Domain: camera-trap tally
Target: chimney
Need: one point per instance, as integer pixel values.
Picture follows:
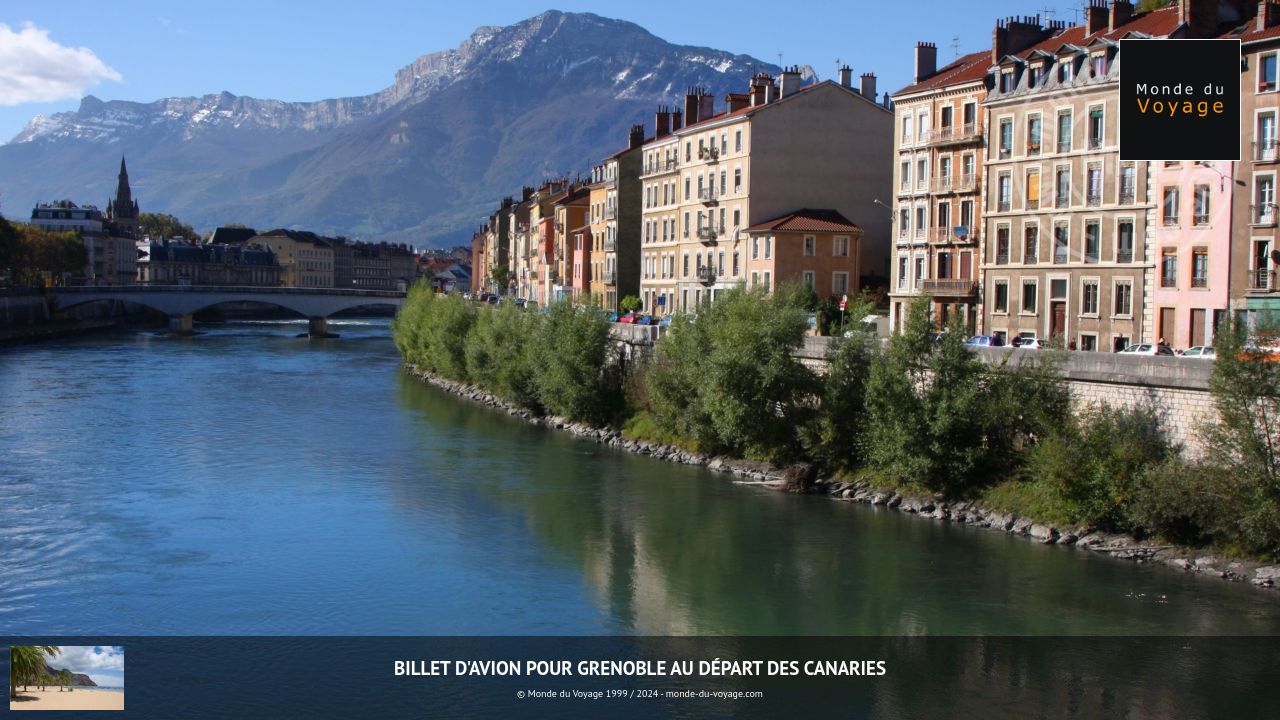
(1268, 14)
(758, 83)
(706, 104)
(926, 60)
(1015, 34)
(846, 76)
(691, 106)
(868, 88)
(770, 92)
(1095, 16)
(677, 120)
(735, 101)
(526, 193)
(790, 81)
(1200, 17)
(662, 122)
(1121, 11)
(636, 139)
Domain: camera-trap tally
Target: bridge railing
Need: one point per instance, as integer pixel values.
(236, 289)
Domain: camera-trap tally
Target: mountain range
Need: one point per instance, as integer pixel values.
(421, 161)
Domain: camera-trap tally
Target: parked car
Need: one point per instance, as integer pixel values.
(1026, 343)
(984, 341)
(1205, 352)
(494, 299)
(614, 317)
(628, 319)
(645, 320)
(1148, 349)
(664, 321)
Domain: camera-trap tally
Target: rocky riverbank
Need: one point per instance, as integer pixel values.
(801, 478)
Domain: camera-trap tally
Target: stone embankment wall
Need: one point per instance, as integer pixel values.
(1176, 388)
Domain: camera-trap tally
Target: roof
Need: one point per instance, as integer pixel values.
(965, 69)
(1247, 32)
(807, 220)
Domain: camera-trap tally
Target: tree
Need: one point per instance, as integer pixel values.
(27, 664)
(501, 275)
(630, 303)
(64, 677)
(569, 364)
(1149, 5)
(162, 225)
(837, 436)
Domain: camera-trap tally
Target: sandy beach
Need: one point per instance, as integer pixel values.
(79, 699)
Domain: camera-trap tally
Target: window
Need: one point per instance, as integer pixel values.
(1099, 63)
(737, 180)
(768, 247)
(902, 271)
(1200, 268)
(1033, 135)
(766, 281)
(944, 217)
(1002, 245)
(1062, 193)
(1202, 205)
(904, 222)
(919, 269)
(944, 170)
(1064, 71)
(966, 215)
(1124, 298)
(1088, 342)
(1002, 296)
(808, 279)
(839, 283)
(1029, 290)
(905, 182)
(1265, 200)
(1033, 75)
(1064, 132)
(922, 221)
(1004, 190)
(1031, 244)
(810, 245)
(1168, 268)
(1006, 81)
(922, 173)
(1032, 200)
(735, 263)
(686, 187)
(1267, 72)
(840, 246)
(1093, 185)
(1092, 240)
(686, 264)
(1124, 241)
(1096, 132)
(1128, 183)
(1006, 138)
(1170, 206)
(737, 217)
(1061, 243)
(1089, 297)
(944, 266)
(737, 141)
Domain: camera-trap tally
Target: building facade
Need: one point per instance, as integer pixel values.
(306, 260)
(818, 248)
(169, 262)
(937, 176)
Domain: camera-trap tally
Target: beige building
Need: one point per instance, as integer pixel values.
(937, 179)
(305, 259)
(593, 274)
(771, 151)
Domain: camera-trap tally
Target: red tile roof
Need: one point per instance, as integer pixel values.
(807, 220)
(966, 69)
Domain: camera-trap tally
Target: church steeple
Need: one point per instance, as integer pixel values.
(123, 210)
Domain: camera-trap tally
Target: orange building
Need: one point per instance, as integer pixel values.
(819, 248)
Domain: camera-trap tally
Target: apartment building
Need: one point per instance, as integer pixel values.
(819, 248)
(1255, 252)
(570, 210)
(595, 235)
(518, 244)
(659, 180)
(622, 219)
(305, 259)
(937, 179)
(774, 150)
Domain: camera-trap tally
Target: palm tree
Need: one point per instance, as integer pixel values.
(64, 676)
(27, 664)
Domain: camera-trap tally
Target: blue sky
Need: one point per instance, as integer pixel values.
(51, 54)
(103, 664)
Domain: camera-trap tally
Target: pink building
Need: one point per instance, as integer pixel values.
(581, 267)
(1191, 250)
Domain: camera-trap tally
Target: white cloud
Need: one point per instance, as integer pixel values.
(89, 658)
(34, 68)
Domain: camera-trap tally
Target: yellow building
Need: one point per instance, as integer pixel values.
(305, 259)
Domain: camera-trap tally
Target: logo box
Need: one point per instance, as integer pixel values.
(1179, 99)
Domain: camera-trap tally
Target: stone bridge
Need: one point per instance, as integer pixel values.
(180, 302)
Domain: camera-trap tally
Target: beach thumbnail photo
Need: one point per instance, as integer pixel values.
(66, 677)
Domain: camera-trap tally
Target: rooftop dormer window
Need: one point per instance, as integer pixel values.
(1099, 64)
(1064, 70)
(1006, 81)
(1033, 75)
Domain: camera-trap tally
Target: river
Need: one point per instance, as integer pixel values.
(249, 482)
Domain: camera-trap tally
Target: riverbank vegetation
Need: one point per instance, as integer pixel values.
(923, 415)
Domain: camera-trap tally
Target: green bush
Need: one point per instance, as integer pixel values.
(728, 379)
(499, 353)
(1097, 464)
(410, 322)
(569, 364)
(836, 437)
(446, 322)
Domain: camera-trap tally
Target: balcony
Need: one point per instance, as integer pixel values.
(1095, 143)
(1199, 219)
(708, 196)
(706, 274)
(709, 233)
(953, 135)
(1030, 256)
(1002, 258)
(1199, 281)
(951, 288)
(610, 244)
(1093, 200)
(1261, 280)
(610, 212)
(1060, 256)
(1032, 203)
(710, 154)
(1033, 149)
(1003, 205)
(609, 277)
(1124, 255)
(1005, 153)
(1064, 146)
(1262, 214)
(948, 235)
(1126, 196)
(1265, 152)
(1061, 201)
